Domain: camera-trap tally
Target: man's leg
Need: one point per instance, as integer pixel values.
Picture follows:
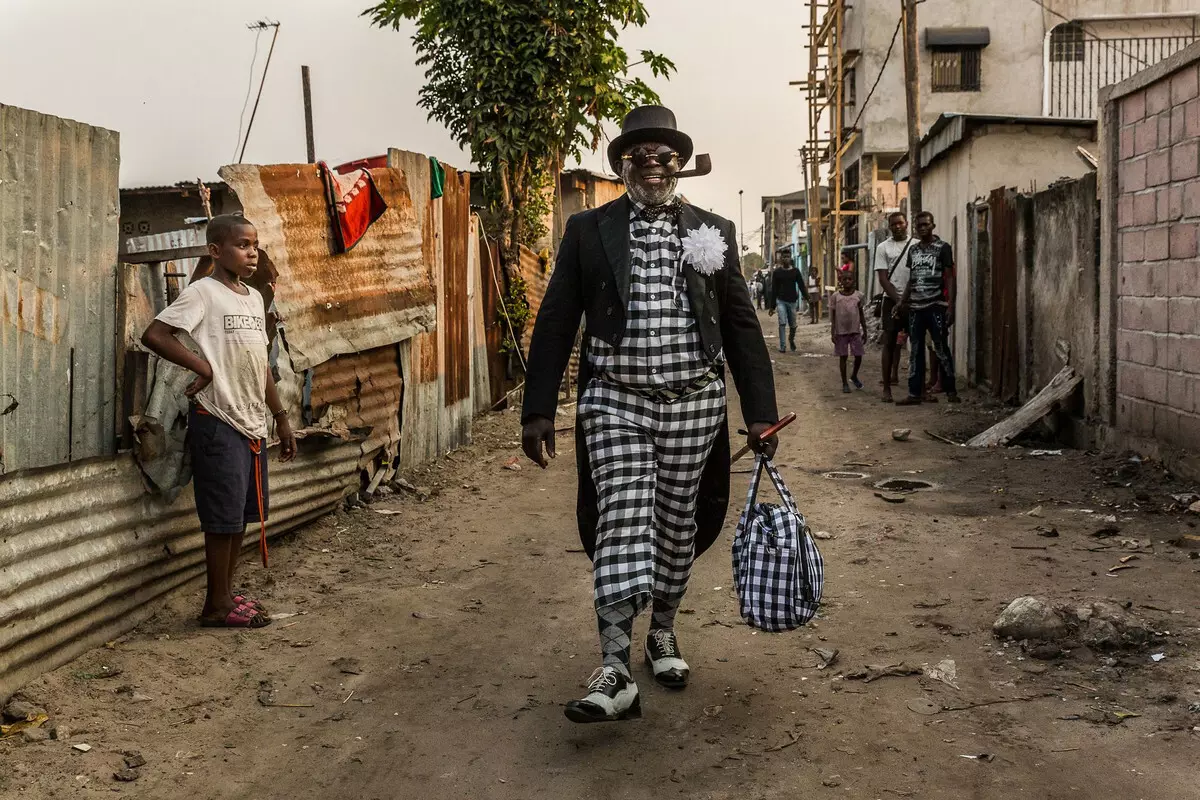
(916, 358)
(792, 310)
(940, 334)
(842, 367)
(218, 599)
(621, 452)
(683, 441)
(781, 313)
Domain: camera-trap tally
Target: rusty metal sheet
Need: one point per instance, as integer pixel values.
(1005, 353)
(378, 293)
(87, 553)
(360, 391)
(481, 388)
(58, 284)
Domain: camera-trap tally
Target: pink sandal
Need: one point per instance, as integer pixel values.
(243, 616)
(243, 600)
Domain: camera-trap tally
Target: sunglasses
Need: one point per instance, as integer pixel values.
(644, 156)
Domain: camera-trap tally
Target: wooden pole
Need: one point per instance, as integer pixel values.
(308, 119)
(912, 93)
(261, 83)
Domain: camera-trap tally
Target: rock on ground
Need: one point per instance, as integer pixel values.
(1030, 618)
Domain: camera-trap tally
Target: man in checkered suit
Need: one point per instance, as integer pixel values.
(666, 309)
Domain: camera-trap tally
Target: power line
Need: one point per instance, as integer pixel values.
(879, 77)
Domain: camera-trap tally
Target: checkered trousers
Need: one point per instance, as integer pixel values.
(646, 459)
(778, 571)
(661, 348)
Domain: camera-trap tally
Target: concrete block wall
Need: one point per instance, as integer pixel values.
(1157, 266)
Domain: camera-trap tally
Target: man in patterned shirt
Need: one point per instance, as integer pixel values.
(666, 309)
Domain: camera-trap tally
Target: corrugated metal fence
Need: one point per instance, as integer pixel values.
(85, 549)
(58, 268)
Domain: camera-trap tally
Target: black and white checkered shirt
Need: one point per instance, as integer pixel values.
(661, 348)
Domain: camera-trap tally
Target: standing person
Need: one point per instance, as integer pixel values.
(785, 298)
(814, 296)
(847, 263)
(929, 300)
(847, 326)
(227, 423)
(666, 309)
(760, 288)
(891, 270)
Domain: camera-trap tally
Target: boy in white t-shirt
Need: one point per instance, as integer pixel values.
(227, 425)
(891, 269)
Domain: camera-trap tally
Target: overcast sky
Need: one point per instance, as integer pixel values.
(171, 76)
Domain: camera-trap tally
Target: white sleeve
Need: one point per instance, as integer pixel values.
(187, 312)
(880, 259)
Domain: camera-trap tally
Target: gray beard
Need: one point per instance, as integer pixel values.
(646, 195)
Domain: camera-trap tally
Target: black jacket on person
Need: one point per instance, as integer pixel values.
(591, 280)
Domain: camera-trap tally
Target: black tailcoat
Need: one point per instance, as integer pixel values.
(591, 280)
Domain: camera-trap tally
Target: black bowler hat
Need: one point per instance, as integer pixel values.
(649, 124)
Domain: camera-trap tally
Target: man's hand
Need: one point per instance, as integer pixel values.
(537, 431)
(287, 439)
(765, 446)
(203, 379)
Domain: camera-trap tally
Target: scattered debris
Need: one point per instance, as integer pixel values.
(1040, 453)
(513, 464)
(1157, 657)
(943, 439)
(82, 747)
(890, 497)
(944, 671)
(924, 706)
(823, 535)
(24, 726)
(873, 672)
(901, 434)
(133, 759)
(985, 757)
(1098, 624)
(1000, 434)
(828, 657)
(1036, 512)
(1049, 532)
(388, 512)
(126, 775)
(832, 782)
(1106, 532)
(348, 665)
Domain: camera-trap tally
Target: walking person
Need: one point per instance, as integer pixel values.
(785, 298)
(929, 301)
(891, 270)
(231, 397)
(760, 288)
(814, 296)
(666, 309)
(848, 327)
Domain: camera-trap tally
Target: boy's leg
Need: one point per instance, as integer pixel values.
(857, 366)
(842, 367)
(218, 600)
(235, 555)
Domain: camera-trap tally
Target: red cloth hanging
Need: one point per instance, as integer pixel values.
(353, 202)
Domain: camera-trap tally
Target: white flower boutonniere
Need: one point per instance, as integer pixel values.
(705, 250)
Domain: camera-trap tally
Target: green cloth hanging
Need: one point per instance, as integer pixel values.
(437, 178)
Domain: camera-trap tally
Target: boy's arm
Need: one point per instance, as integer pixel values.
(862, 318)
(283, 427)
(160, 339)
(832, 320)
(950, 287)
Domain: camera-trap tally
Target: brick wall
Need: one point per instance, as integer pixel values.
(1157, 269)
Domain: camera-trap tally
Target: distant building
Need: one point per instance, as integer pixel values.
(152, 210)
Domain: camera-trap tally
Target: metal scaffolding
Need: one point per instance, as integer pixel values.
(827, 143)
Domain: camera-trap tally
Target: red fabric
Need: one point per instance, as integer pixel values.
(353, 202)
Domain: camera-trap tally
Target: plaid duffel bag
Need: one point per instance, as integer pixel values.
(777, 568)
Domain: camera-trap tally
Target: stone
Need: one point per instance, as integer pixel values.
(134, 759)
(1107, 626)
(126, 775)
(1030, 618)
(21, 710)
(901, 434)
(33, 735)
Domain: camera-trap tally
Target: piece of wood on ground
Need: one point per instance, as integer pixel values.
(1008, 429)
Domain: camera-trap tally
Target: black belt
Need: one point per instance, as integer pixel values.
(669, 396)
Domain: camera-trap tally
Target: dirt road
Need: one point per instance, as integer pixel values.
(465, 623)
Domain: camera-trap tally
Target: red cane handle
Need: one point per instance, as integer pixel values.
(787, 419)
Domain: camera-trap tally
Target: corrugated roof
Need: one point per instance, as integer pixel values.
(378, 293)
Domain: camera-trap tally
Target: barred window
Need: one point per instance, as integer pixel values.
(1066, 42)
(957, 69)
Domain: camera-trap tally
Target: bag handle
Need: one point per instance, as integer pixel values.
(762, 463)
(903, 253)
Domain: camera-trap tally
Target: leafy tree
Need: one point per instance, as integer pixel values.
(526, 85)
(752, 263)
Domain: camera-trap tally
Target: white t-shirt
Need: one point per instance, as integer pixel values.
(885, 256)
(231, 331)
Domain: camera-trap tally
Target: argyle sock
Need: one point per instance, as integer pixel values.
(663, 616)
(616, 633)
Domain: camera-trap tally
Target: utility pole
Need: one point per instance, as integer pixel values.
(741, 225)
(308, 122)
(261, 25)
(912, 92)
